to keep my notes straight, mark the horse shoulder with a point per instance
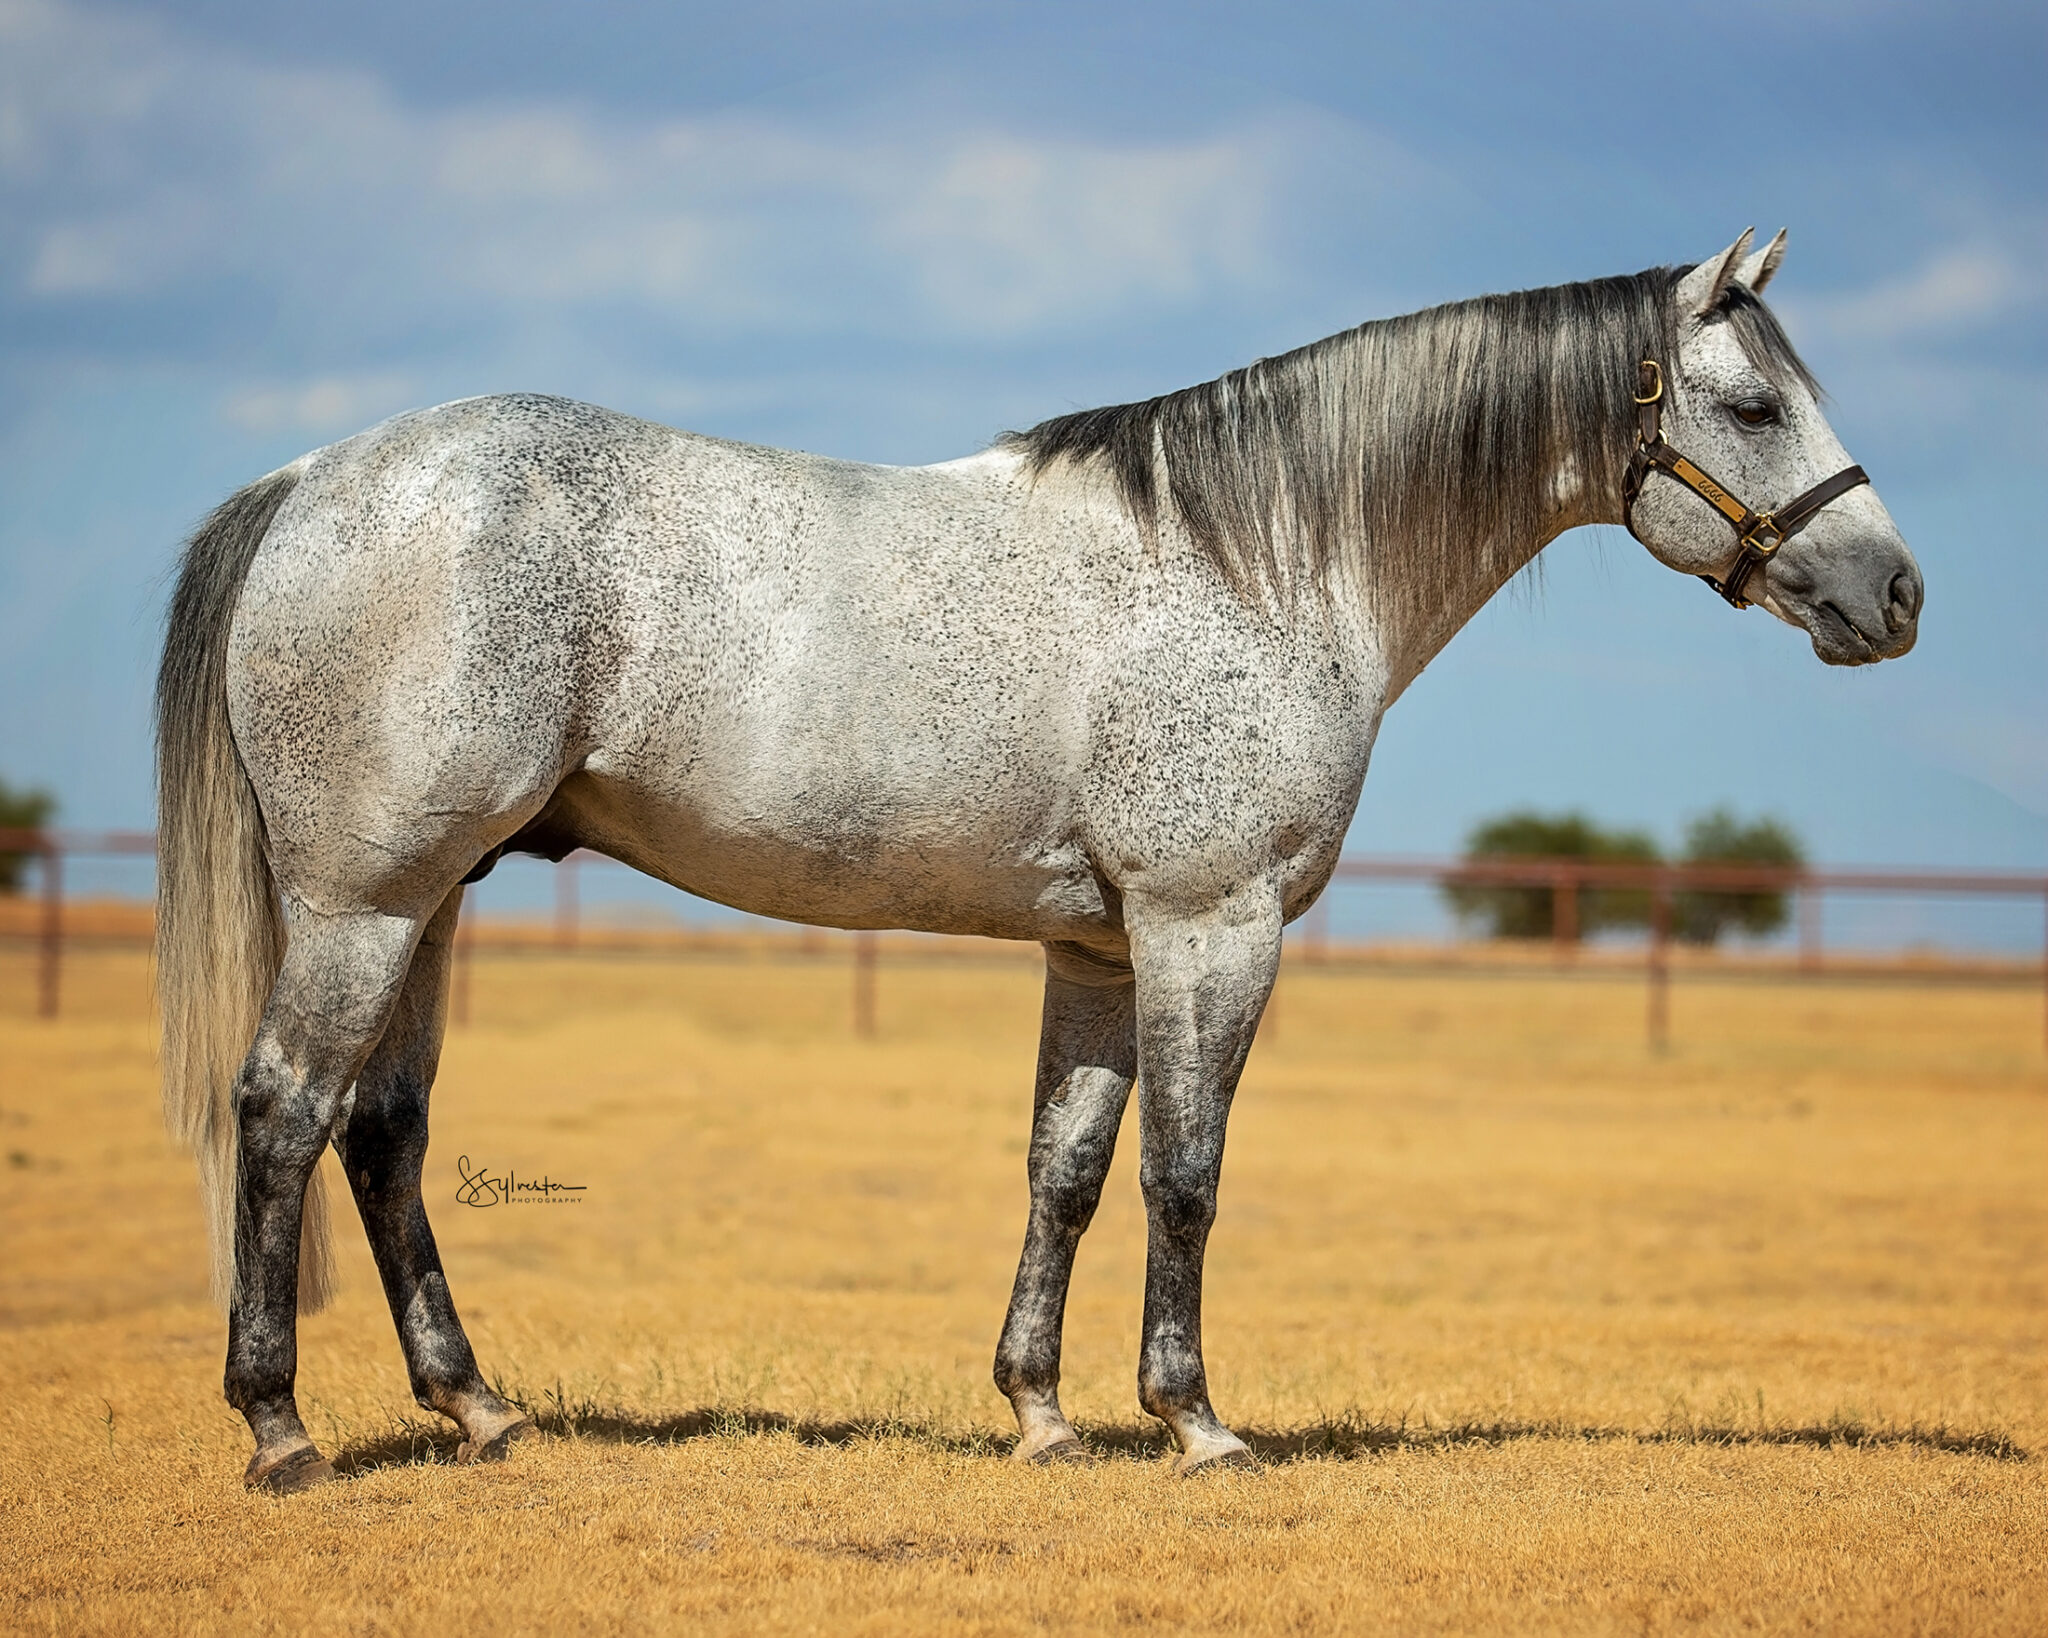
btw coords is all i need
(1229, 747)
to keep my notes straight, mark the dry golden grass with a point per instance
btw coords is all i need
(1538, 1333)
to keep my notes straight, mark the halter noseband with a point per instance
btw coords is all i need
(1759, 533)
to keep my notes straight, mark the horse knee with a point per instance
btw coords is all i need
(1071, 1210)
(1066, 1186)
(1180, 1203)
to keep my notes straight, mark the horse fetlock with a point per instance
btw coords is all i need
(490, 1425)
(438, 1357)
(1173, 1386)
(1028, 1358)
(1012, 1378)
(273, 1422)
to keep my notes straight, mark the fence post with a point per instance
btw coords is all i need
(565, 903)
(1660, 969)
(864, 985)
(1564, 916)
(1809, 929)
(53, 929)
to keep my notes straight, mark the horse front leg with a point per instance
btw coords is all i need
(1202, 983)
(1087, 1058)
(325, 1013)
(383, 1148)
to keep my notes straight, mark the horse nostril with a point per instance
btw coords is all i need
(1903, 605)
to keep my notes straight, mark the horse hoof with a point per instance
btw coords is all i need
(1061, 1453)
(494, 1449)
(286, 1474)
(1239, 1460)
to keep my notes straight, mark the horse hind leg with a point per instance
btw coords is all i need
(382, 1142)
(1087, 1058)
(329, 1005)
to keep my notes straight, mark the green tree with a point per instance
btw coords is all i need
(1531, 912)
(20, 810)
(1720, 838)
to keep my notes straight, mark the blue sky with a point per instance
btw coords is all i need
(231, 231)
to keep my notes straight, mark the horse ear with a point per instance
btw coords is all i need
(1757, 271)
(1701, 290)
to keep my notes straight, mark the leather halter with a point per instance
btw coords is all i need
(1760, 534)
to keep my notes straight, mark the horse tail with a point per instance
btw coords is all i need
(220, 932)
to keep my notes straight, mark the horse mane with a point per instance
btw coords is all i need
(1420, 440)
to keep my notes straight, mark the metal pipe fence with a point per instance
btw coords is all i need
(1569, 881)
(49, 849)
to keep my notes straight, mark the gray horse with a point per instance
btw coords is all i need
(1110, 685)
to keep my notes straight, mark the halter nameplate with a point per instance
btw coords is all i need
(1717, 497)
(1758, 534)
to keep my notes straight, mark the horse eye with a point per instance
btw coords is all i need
(1755, 412)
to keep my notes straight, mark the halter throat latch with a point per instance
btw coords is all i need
(1758, 535)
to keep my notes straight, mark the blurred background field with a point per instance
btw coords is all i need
(1538, 1330)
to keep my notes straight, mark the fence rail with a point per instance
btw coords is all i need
(1567, 879)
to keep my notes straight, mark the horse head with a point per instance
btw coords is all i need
(1783, 521)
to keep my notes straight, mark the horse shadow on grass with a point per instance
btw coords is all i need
(418, 1442)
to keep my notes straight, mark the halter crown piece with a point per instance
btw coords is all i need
(1759, 534)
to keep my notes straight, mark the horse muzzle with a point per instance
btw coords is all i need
(1859, 602)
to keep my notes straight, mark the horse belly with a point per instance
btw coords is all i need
(807, 850)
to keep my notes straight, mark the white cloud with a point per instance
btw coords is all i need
(543, 155)
(1958, 290)
(1015, 231)
(132, 160)
(328, 403)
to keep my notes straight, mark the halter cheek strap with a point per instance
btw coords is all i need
(1759, 534)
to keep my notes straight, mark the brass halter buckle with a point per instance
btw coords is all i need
(1756, 545)
(1755, 551)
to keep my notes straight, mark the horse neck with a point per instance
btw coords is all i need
(1543, 482)
(1413, 631)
